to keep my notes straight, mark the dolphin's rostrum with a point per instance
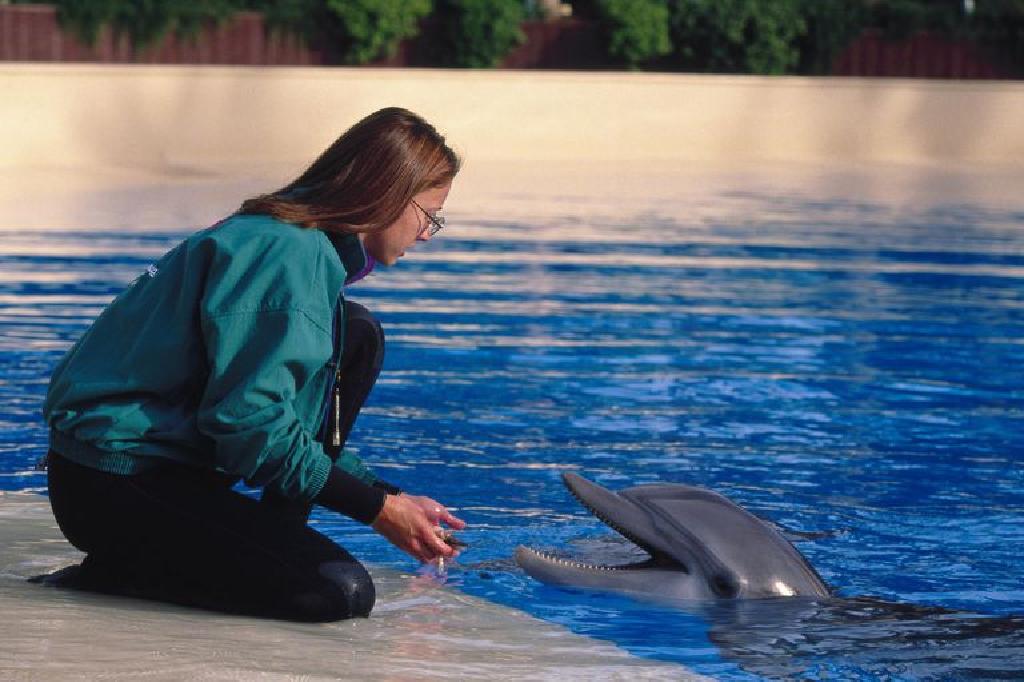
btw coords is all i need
(701, 546)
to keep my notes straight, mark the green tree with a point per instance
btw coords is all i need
(477, 33)
(369, 29)
(737, 36)
(637, 31)
(998, 25)
(902, 18)
(831, 26)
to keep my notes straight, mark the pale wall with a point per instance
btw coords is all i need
(209, 118)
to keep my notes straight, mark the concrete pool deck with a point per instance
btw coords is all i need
(419, 630)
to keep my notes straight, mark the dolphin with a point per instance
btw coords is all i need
(713, 559)
(702, 546)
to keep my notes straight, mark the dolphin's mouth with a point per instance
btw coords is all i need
(651, 563)
(654, 560)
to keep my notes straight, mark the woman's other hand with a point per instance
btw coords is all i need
(411, 522)
(436, 512)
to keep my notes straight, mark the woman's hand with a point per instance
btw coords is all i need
(412, 522)
(436, 512)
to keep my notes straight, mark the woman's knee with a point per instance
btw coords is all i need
(363, 334)
(346, 591)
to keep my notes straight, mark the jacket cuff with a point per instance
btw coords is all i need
(387, 487)
(346, 494)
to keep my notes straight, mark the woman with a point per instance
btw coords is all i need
(236, 356)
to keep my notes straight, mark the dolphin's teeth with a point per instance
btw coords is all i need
(578, 565)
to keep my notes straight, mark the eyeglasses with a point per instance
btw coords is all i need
(436, 223)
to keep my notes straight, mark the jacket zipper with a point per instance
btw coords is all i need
(334, 390)
(336, 436)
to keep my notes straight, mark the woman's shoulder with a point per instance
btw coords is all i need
(257, 262)
(262, 232)
(264, 242)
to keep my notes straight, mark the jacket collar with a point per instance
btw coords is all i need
(353, 255)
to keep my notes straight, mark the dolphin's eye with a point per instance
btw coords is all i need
(723, 586)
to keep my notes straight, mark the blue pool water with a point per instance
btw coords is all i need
(848, 369)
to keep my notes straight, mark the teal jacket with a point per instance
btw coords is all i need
(220, 355)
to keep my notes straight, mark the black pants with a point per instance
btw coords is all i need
(180, 534)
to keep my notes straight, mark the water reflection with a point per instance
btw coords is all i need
(793, 638)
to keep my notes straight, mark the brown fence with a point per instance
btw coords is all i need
(923, 55)
(32, 33)
(563, 44)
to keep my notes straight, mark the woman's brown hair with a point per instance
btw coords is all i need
(364, 181)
